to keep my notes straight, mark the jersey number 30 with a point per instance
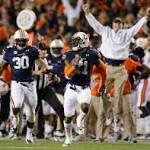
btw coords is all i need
(21, 62)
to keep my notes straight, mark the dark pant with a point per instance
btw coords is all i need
(48, 94)
(5, 107)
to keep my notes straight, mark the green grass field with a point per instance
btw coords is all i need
(49, 145)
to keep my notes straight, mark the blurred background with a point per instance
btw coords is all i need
(64, 17)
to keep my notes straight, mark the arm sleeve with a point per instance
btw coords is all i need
(135, 29)
(69, 68)
(69, 71)
(66, 3)
(97, 26)
(35, 54)
(96, 58)
(79, 4)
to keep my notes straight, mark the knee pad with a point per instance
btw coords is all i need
(16, 111)
(30, 116)
(30, 124)
(68, 119)
(85, 107)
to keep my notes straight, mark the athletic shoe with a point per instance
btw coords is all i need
(67, 142)
(29, 138)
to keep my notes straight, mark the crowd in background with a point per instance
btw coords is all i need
(55, 17)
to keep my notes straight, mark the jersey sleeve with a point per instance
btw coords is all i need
(95, 57)
(69, 69)
(69, 56)
(35, 53)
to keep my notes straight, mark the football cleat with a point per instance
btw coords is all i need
(67, 142)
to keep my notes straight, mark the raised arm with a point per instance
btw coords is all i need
(66, 3)
(96, 25)
(79, 4)
(135, 29)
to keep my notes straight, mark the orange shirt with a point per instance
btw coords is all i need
(98, 79)
(3, 33)
(130, 66)
(7, 74)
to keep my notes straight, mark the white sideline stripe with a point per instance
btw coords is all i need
(4, 147)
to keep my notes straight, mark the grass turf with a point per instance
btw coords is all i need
(49, 145)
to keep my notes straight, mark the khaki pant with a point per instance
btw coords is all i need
(118, 76)
(96, 117)
(127, 116)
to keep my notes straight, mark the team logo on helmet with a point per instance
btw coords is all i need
(79, 40)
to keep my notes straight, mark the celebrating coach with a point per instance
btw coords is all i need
(115, 49)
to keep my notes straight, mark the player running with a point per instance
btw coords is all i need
(21, 58)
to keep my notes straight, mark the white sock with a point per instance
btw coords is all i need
(29, 131)
(3, 125)
(80, 121)
(48, 127)
(68, 130)
(15, 120)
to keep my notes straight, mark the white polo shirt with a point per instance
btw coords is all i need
(115, 45)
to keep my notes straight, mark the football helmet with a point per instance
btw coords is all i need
(80, 40)
(21, 38)
(56, 47)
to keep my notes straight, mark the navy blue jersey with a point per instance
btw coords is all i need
(88, 58)
(21, 62)
(56, 65)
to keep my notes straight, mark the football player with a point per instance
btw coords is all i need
(56, 63)
(21, 58)
(78, 67)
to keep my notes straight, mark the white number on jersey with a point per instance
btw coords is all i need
(21, 62)
(84, 64)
